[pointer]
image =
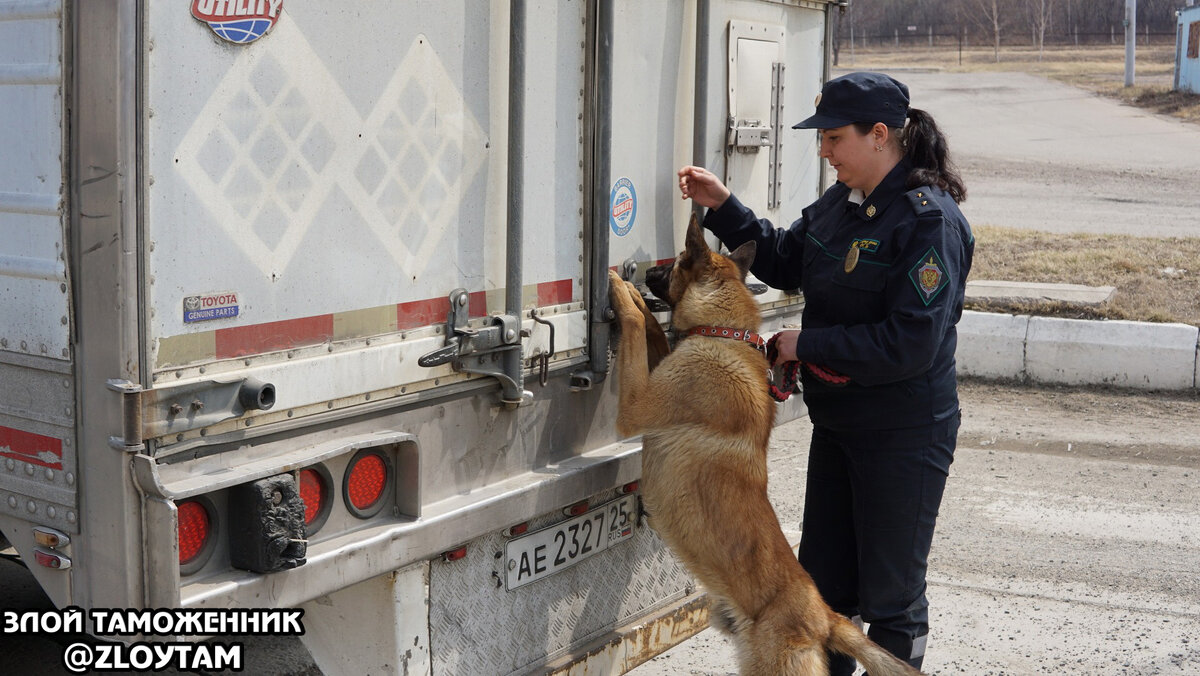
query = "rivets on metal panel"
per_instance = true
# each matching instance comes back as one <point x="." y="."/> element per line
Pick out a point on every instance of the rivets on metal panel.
<point x="51" y="512"/>
<point x="29" y="469"/>
<point x="70" y="517"/>
<point x="70" y="477"/>
<point x="49" y="474"/>
<point x="31" y="507"/>
<point x="12" y="501"/>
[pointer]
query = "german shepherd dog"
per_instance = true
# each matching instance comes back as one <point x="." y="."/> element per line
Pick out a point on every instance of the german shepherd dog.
<point x="706" y="415"/>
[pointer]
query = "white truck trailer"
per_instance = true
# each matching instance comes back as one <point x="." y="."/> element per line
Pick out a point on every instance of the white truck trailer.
<point x="303" y="305"/>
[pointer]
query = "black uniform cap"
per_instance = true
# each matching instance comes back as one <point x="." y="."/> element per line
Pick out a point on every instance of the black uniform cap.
<point x="859" y="97"/>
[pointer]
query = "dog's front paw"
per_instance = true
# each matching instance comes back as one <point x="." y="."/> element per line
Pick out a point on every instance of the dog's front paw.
<point x="622" y="294"/>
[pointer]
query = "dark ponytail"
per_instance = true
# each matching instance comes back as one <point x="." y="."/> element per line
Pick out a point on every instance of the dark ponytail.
<point x="927" y="151"/>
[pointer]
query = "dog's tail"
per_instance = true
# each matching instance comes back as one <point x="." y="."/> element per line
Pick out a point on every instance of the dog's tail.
<point x="848" y="639"/>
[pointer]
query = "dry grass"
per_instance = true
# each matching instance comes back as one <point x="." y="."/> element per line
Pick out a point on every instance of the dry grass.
<point x="1157" y="279"/>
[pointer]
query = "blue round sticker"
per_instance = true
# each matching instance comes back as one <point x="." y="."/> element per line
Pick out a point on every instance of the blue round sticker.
<point x="623" y="203"/>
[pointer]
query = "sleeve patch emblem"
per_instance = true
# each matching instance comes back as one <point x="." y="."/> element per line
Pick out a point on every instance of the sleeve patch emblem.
<point x="929" y="276"/>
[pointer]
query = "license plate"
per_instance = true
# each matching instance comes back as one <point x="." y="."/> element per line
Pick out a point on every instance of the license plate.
<point x="545" y="552"/>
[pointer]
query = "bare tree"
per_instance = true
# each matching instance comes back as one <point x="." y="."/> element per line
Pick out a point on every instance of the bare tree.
<point x="990" y="15"/>
<point x="1040" y="12"/>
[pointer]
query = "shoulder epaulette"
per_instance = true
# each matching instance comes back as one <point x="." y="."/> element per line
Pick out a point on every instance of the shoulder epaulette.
<point x="923" y="202"/>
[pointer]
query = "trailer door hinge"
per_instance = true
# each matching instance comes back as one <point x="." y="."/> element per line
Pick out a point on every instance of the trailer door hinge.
<point x="130" y="440"/>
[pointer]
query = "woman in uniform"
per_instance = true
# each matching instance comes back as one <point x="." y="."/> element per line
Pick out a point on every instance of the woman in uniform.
<point x="882" y="258"/>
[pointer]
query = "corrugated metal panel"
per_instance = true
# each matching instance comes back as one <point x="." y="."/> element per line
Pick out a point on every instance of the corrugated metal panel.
<point x="34" y="299"/>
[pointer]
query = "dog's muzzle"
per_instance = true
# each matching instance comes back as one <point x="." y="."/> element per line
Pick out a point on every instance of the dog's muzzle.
<point x="658" y="280"/>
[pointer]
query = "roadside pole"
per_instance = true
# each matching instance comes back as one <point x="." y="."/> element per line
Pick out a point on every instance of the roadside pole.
<point x="1130" y="39"/>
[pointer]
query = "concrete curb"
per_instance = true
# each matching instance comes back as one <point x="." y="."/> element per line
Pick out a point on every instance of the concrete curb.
<point x="1139" y="355"/>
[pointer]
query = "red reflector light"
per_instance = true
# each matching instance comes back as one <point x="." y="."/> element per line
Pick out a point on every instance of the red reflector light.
<point x="519" y="529"/>
<point x="313" y="492"/>
<point x="629" y="487"/>
<point x="366" y="480"/>
<point x="51" y="560"/>
<point x="194" y="528"/>
<point x="454" y="554"/>
<point x="576" y="509"/>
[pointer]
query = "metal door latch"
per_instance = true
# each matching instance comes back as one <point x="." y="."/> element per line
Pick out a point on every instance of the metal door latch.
<point x="747" y="136"/>
<point x="477" y="350"/>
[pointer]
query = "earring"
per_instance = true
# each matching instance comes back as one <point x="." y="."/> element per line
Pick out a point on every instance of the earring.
<point x="878" y="148"/>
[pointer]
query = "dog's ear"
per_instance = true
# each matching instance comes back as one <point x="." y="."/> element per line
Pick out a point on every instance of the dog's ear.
<point x="695" y="246"/>
<point x="743" y="257"/>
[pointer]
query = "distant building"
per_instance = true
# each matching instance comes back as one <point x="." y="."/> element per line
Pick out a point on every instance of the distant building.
<point x="1187" y="50"/>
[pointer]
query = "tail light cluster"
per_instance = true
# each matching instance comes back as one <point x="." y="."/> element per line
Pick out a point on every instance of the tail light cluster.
<point x="366" y="484"/>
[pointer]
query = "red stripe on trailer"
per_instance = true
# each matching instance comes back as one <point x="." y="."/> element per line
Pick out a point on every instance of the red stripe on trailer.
<point x="240" y="341"/>
<point x="477" y="304"/>
<point x="418" y="313"/>
<point x="422" y="313"/>
<point x="34" y="449"/>
<point x="554" y="293"/>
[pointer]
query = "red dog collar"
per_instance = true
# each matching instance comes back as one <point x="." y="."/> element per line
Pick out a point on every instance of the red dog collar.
<point x="732" y="334"/>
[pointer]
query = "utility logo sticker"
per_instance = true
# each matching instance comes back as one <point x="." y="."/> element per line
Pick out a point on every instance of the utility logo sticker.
<point x="238" y="21"/>
<point x="623" y="201"/>
<point x="34" y="449"/>
<point x="929" y="275"/>
<point x="210" y="306"/>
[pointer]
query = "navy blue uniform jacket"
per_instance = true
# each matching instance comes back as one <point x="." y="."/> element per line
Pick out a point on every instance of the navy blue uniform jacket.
<point x="888" y="323"/>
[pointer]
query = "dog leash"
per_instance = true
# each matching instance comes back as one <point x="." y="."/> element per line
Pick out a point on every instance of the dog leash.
<point x="789" y="372"/>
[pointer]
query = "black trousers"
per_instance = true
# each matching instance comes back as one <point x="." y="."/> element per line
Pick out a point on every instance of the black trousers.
<point x="870" y="506"/>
